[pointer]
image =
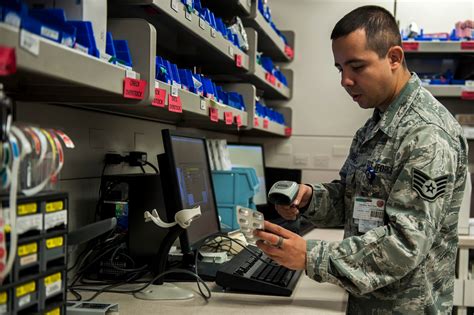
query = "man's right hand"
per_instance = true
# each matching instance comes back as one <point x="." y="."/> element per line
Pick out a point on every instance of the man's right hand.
<point x="302" y="199"/>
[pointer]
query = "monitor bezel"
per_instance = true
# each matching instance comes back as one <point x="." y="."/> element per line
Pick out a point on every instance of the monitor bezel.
<point x="177" y="203"/>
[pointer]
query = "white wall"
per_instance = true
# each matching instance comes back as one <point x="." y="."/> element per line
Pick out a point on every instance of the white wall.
<point x="434" y="16"/>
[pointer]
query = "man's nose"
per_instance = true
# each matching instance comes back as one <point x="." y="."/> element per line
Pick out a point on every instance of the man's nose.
<point x="346" y="80"/>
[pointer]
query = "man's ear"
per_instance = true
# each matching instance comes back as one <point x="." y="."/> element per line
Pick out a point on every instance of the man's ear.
<point x="396" y="57"/>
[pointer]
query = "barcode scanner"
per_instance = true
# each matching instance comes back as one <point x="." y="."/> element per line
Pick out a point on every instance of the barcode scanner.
<point x="283" y="193"/>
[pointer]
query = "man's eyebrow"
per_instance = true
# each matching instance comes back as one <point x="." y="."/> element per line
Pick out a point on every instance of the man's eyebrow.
<point x="354" y="60"/>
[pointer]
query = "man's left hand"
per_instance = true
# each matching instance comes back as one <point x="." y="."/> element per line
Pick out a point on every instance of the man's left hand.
<point x="291" y="252"/>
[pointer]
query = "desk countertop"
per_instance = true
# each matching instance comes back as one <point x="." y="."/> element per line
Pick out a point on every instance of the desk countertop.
<point x="309" y="297"/>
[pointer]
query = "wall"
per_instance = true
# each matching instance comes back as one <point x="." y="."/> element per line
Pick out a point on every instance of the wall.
<point x="94" y="134"/>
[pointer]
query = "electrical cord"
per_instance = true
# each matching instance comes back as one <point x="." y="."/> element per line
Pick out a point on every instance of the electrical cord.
<point x="143" y="170"/>
<point x="152" y="166"/>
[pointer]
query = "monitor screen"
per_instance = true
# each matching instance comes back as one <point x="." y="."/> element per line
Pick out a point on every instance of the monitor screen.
<point x="250" y="155"/>
<point x="192" y="183"/>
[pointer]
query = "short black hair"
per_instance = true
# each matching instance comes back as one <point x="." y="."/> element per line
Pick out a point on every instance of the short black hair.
<point x="381" y="29"/>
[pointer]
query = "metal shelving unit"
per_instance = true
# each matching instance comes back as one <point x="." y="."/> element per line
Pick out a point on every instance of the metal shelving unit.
<point x="269" y="43"/>
<point x="261" y="79"/>
<point x="229" y="8"/>
<point x="54" y="72"/>
<point x="185" y="38"/>
<point x="438" y="46"/>
<point x="258" y="126"/>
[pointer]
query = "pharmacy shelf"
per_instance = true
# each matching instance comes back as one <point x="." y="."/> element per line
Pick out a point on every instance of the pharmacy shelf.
<point x="229" y="8"/>
<point x="188" y="39"/>
<point x="48" y="71"/>
<point x="272" y="88"/>
<point x="466" y="47"/>
<point x="258" y="126"/>
<point x="445" y="90"/>
<point x="269" y="42"/>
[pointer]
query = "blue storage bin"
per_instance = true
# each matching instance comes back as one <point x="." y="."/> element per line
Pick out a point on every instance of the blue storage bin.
<point x="198" y="86"/>
<point x="234" y="188"/>
<point x="208" y="87"/>
<point x="222" y="95"/>
<point x="85" y="37"/>
<point x="161" y="70"/>
<point x="221" y="27"/>
<point x="267" y="64"/>
<point x="186" y="77"/>
<point x="175" y="71"/>
<point x="12" y="12"/>
<point x="52" y="25"/>
<point x="109" y="45"/>
<point x="123" y="53"/>
<point x="236" y="100"/>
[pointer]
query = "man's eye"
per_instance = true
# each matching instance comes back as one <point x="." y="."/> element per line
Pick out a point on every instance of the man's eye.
<point x="357" y="68"/>
<point x="339" y="70"/>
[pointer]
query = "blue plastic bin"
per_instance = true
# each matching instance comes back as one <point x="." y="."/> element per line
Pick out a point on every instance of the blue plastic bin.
<point x="234" y="188"/>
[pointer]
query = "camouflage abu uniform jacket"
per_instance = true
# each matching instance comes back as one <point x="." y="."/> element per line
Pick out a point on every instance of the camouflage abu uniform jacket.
<point x="413" y="157"/>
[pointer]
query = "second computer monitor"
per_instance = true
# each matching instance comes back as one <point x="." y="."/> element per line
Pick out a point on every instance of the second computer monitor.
<point x="250" y="155"/>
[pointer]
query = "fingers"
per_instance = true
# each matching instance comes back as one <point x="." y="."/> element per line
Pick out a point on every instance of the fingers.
<point x="278" y="230"/>
<point x="287" y="212"/>
<point x="300" y="195"/>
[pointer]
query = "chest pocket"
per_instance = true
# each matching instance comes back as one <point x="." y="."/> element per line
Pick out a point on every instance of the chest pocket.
<point x="376" y="183"/>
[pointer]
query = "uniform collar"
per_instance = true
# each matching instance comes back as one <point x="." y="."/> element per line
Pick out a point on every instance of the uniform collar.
<point x="397" y="109"/>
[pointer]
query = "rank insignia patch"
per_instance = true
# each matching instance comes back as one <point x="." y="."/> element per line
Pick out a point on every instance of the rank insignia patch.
<point x="428" y="188"/>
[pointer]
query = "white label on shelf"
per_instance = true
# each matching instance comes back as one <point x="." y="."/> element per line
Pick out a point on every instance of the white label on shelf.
<point x="130" y="74"/>
<point x="24" y="300"/>
<point x="157" y="85"/>
<point x="469" y="83"/>
<point x="174" y="5"/>
<point x="28" y="259"/>
<point x="13" y="19"/>
<point x="55" y="219"/>
<point x="49" y="33"/>
<point x="202" y="23"/>
<point x="188" y="15"/>
<point x="3" y="309"/>
<point x="81" y="48"/>
<point x="105" y="56"/>
<point x="29" y="42"/>
<point x="231" y="51"/>
<point x="203" y="104"/>
<point x="53" y="288"/>
<point x="174" y="90"/>
<point x="29" y="222"/>
<point x="213" y="32"/>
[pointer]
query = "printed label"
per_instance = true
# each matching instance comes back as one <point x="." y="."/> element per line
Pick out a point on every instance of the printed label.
<point x="7" y="60"/>
<point x="467" y="45"/>
<point x="159" y="99"/>
<point x="27" y="249"/>
<point x="27" y="208"/>
<point x="174" y="104"/>
<point x="408" y="46"/>
<point x="49" y="33"/>
<point x="29" y="222"/>
<point x="30" y="42"/>
<point x="288" y="132"/>
<point x="213" y="114"/>
<point x="25" y="289"/>
<point x="238" y="61"/>
<point x="28" y="260"/>
<point x="55" y="219"/>
<point x="24" y="300"/>
<point x="3" y="297"/>
<point x="54" y="242"/>
<point x="228" y="118"/>
<point x="265" y="123"/>
<point x="54" y="206"/>
<point x="134" y="89"/>
<point x="56" y="311"/>
<point x="255" y="122"/>
<point x="238" y="121"/>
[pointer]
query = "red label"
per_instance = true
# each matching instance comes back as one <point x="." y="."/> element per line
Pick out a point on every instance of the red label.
<point x="288" y="131"/>
<point x="270" y="78"/>
<point x="228" y="118"/>
<point x="174" y="104"/>
<point x="289" y="52"/>
<point x="467" y="45"/>
<point x="238" y="121"/>
<point x="7" y="60"/>
<point x="214" y="114"/>
<point x="265" y="123"/>
<point x="133" y="88"/>
<point x="409" y="46"/>
<point x="467" y="95"/>
<point x="238" y="61"/>
<point x="255" y="122"/>
<point x="160" y="96"/>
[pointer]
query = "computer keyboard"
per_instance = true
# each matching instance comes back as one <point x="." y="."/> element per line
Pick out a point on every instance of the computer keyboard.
<point x="246" y="272"/>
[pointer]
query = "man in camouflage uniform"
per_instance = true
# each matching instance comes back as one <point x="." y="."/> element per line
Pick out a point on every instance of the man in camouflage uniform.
<point x="400" y="189"/>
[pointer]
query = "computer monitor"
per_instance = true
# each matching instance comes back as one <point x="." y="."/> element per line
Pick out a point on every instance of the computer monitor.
<point x="187" y="182"/>
<point x="250" y="155"/>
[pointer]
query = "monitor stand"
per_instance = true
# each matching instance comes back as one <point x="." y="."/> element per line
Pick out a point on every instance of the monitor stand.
<point x="161" y="290"/>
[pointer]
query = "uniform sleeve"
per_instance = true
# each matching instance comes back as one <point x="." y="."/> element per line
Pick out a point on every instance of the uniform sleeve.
<point x="362" y="264"/>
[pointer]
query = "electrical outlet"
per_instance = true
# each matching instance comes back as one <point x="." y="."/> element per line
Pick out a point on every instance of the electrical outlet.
<point x="301" y="159"/>
<point x="321" y="161"/>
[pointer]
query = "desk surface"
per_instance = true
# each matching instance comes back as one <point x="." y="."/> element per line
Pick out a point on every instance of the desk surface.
<point x="309" y="297"/>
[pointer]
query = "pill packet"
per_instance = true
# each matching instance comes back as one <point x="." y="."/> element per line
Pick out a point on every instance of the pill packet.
<point x="249" y="220"/>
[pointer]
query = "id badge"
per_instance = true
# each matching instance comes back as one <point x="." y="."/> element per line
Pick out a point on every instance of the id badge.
<point x="368" y="213"/>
